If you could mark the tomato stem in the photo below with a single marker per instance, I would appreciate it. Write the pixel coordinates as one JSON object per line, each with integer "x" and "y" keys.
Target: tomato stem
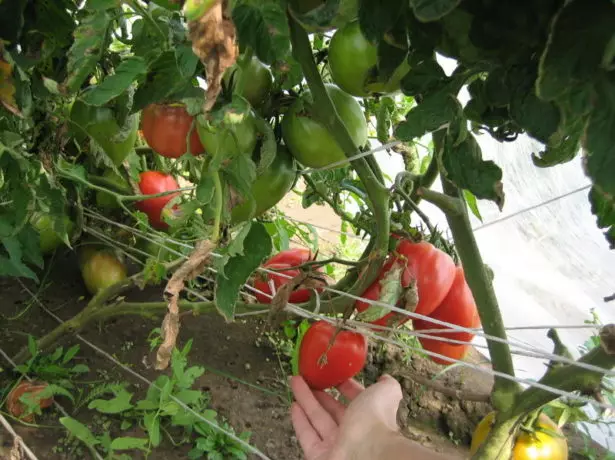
{"x": 218, "y": 203}
{"x": 377, "y": 194}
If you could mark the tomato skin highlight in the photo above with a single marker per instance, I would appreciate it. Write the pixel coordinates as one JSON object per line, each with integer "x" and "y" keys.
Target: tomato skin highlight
{"x": 16, "y": 408}
{"x": 538, "y": 445}
{"x": 151, "y": 183}
{"x": 351, "y": 59}
{"x": 344, "y": 359}
{"x": 309, "y": 141}
{"x": 458, "y": 307}
{"x": 450, "y": 350}
{"x": 100, "y": 270}
{"x": 165, "y": 129}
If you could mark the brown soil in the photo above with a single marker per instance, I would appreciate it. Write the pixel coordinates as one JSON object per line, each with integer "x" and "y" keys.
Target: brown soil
{"x": 245, "y": 377}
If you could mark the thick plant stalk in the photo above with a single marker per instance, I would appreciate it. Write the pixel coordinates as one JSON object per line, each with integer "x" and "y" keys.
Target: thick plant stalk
{"x": 377, "y": 194}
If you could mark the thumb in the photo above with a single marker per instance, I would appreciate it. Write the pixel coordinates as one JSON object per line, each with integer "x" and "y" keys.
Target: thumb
{"x": 385, "y": 396}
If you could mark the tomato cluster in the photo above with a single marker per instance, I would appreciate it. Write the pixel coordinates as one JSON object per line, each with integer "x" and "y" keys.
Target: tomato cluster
{"x": 424, "y": 280}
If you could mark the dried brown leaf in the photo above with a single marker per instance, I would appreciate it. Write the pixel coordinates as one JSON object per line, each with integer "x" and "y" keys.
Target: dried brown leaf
{"x": 17, "y": 452}
{"x": 213, "y": 39}
{"x": 191, "y": 268}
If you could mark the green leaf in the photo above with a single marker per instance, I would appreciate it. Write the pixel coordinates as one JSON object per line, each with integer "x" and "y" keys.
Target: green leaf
{"x": 377, "y": 18}
{"x": 472, "y": 204}
{"x": 436, "y": 111}
{"x": 432, "y": 10}
{"x": 11, "y": 19}
{"x": 425, "y": 76}
{"x": 88, "y": 46}
{"x": 128, "y": 443}
{"x": 599, "y": 141}
{"x": 189, "y": 396}
{"x": 163, "y": 79}
{"x": 205, "y": 190}
{"x": 268, "y": 148}
{"x": 263, "y": 27}
{"x": 186, "y": 60}
{"x": 383, "y": 119}
{"x": 304, "y": 325}
{"x": 152, "y": 425}
{"x": 579, "y": 36}
{"x": 14, "y": 266}
{"x": 239, "y": 268}
{"x": 125, "y": 74}
{"x": 603, "y": 207}
{"x": 32, "y": 345}
{"x": 80, "y": 369}
{"x": 463, "y": 164}
{"x": 236, "y": 246}
{"x": 70, "y": 353}
{"x": 80, "y": 431}
{"x": 120, "y": 403}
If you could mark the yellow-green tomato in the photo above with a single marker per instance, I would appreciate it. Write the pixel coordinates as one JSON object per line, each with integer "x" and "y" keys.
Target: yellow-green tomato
{"x": 352, "y": 56}
{"x": 537, "y": 445}
{"x": 268, "y": 188}
{"x": 309, "y": 141}
{"x": 49, "y": 240}
{"x": 252, "y": 80}
{"x": 100, "y": 270}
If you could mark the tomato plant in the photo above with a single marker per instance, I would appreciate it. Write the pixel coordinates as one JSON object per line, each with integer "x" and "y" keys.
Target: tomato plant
{"x": 251, "y": 79}
{"x": 353, "y": 59}
{"x": 327, "y": 359}
{"x": 546, "y": 441}
{"x": 106, "y": 200}
{"x": 309, "y": 141}
{"x": 167, "y": 128}
{"x": 101, "y": 269}
{"x": 49, "y": 240}
{"x": 458, "y": 307}
{"x": 152, "y": 183}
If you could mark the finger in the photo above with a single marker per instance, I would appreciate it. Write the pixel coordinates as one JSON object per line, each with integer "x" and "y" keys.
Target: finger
{"x": 306, "y": 434}
{"x": 320, "y": 419}
{"x": 331, "y": 405}
{"x": 350, "y": 389}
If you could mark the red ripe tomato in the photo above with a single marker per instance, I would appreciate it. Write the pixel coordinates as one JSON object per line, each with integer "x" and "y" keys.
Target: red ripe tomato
{"x": 433, "y": 270}
{"x": 31, "y": 390}
{"x": 293, "y": 257}
{"x": 165, "y": 129}
{"x": 458, "y": 307}
{"x": 324, "y": 365}
{"x": 261, "y": 283}
{"x": 449, "y": 350}
{"x": 151, "y": 183}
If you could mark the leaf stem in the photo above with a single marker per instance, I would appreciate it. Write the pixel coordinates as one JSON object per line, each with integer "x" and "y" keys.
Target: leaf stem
{"x": 344, "y": 215}
{"x": 449, "y": 205}
{"x": 378, "y": 197}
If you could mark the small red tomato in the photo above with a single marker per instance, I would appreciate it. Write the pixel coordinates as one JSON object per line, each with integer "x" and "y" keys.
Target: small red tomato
{"x": 449, "y": 350}
{"x": 325, "y": 365}
{"x": 280, "y": 278}
{"x": 151, "y": 183}
{"x": 31, "y": 390}
{"x": 458, "y": 307}
{"x": 165, "y": 129}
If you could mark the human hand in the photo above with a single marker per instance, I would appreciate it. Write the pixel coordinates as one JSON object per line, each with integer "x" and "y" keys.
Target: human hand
{"x": 328, "y": 430}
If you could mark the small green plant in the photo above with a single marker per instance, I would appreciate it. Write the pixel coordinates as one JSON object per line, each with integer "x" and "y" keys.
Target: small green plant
{"x": 170, "y": 408}
{"x": 56, "y": 367}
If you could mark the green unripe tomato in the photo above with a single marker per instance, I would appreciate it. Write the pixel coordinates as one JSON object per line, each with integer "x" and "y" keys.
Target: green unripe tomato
{"x": 49, "y": 240}
{"x": 268, "y": 188}
{"x": 309, "y": 141}
{"x": 352, "y": 56}
{"x": 252, "y": 80}
{"x": 232, "y": 138}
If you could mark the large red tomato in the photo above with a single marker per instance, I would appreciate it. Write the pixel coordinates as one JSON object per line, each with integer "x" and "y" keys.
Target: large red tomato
{"x": 151, "y": 183}
{"x": 455, "y": 352}
{"x": 32, "y": 390}
{"x": 458, "y": 307}
{"x": 433, "y": 270}
{"x": 293, "y": 257}
{"x": 325, "y": 365}
{"x": 166, "y": 127}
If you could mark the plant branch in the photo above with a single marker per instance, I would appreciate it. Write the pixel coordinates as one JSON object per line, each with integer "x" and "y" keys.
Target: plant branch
{"x": 378, "y": 197}
{"x": 344, "y": 215}
{"x": 426, "y": 179}
{"x": 331, "y": 260}
{"x": 218, "y": 202}
{"x": 446, "y": 203}
{"x": 504, "y": 390}
{"x": 570, "y": 377}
